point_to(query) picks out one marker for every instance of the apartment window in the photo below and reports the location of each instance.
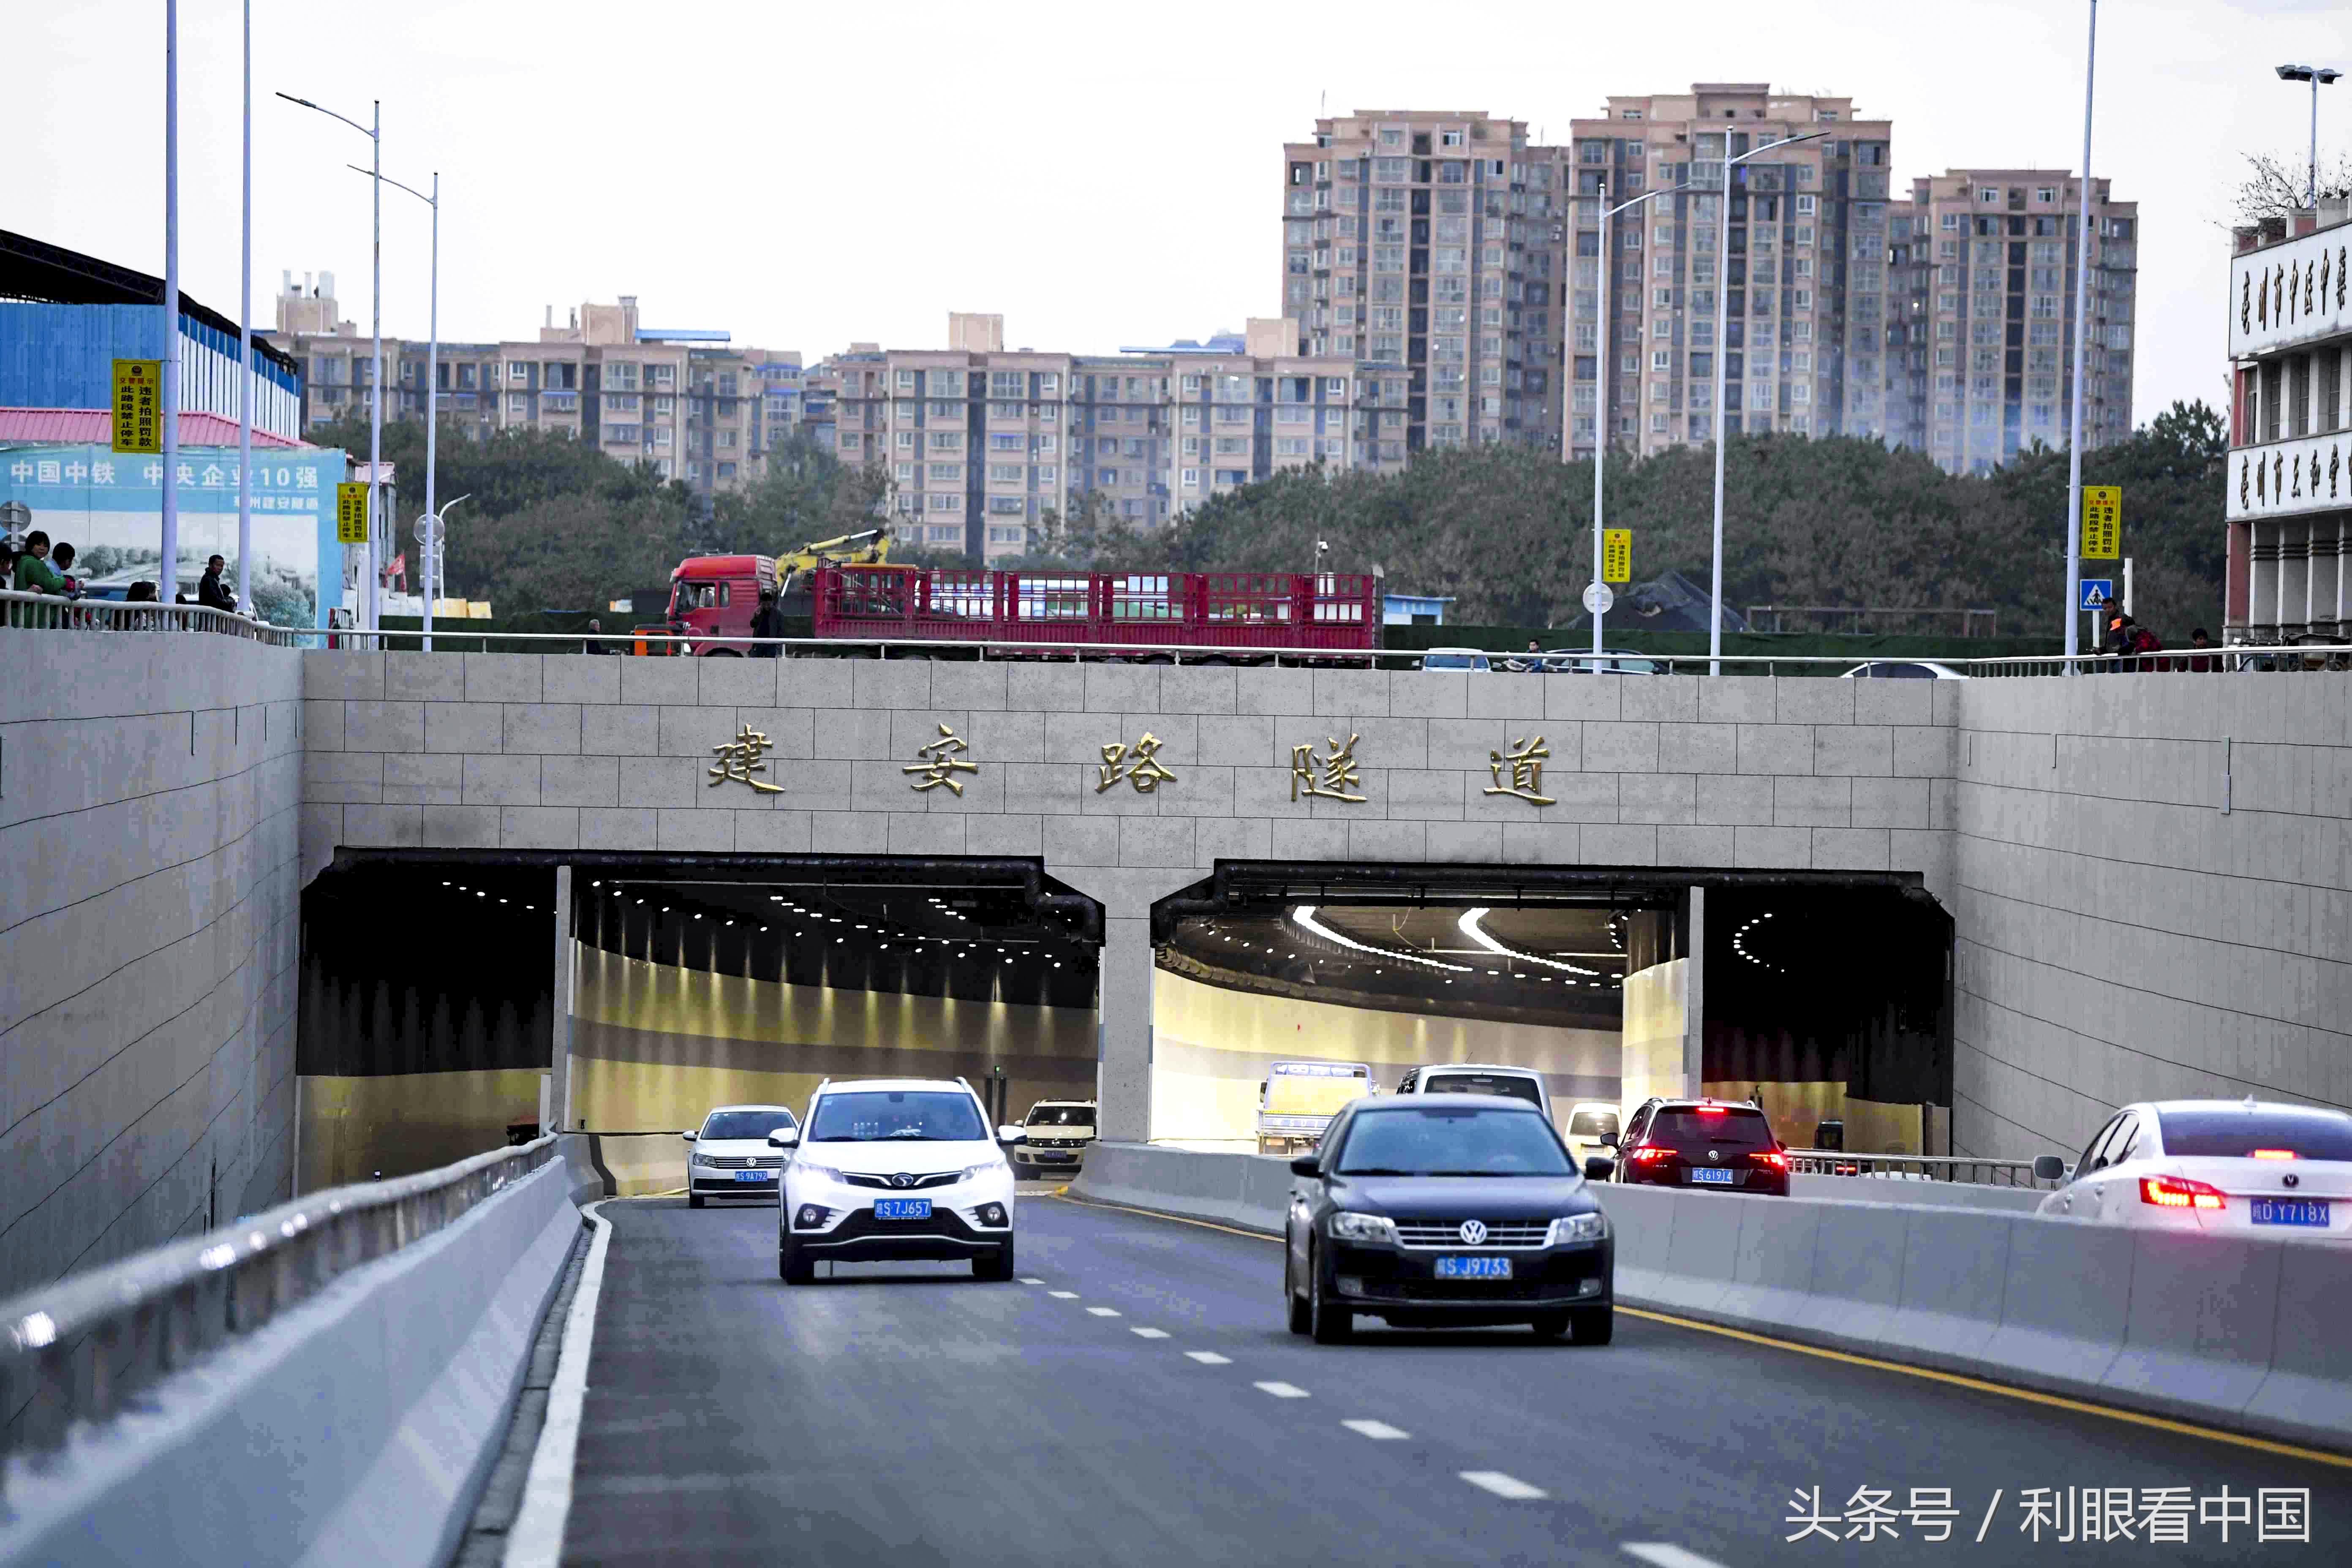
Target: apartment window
(948, 502)
(1192, 478)
(946, 441)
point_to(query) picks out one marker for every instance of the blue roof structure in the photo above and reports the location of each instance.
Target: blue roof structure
(681, 335)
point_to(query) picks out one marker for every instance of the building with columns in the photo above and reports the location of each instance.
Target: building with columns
(2289, 495)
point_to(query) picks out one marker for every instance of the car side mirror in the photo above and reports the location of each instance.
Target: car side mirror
(783, 1137)
(1011, 1133)
(2049, 1168)
(1306, 1165)
(1599, 1168)
(688, 1136)
(1609, 1142)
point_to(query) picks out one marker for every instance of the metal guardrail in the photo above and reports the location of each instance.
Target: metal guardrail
(48, 611)
(1963, 1168)
(74, 1352)
(40, 610)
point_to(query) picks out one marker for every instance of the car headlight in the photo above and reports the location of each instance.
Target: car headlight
(1593, 1226)
(1347, 1226)
(827, 1171)
(986, 1168)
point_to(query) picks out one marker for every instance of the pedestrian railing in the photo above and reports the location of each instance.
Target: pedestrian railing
(1968, 1169)
(48, 611)
(76, 1350)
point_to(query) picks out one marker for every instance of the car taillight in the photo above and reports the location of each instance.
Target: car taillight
(1649, 1152)
(1710, 1110)
(1772, 1157)
(2274, 1154)
(2181, 1193)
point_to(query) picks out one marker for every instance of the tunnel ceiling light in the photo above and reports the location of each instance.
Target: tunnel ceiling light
(445, 884)
(1469, 927)
(1304, 914)
(596, 884)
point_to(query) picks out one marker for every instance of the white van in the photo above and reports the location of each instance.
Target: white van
(1477, 1078)
(1593, 1127)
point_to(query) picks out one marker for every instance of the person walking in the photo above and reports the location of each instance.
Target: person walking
(768, 621)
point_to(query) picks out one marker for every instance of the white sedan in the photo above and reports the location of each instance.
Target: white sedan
(2239, 1165)
(1903, 670)
(731, 1157)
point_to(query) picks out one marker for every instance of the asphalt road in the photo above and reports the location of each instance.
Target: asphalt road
(906, 1415)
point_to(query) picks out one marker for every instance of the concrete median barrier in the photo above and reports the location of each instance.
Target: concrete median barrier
(2239, 1333)
(1884, 1190)
(357, 1427)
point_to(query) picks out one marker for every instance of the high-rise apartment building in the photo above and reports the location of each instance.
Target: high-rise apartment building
(979, 442)
(1802, 273)
(683, 402)
(1982, 315)
(1432, 245)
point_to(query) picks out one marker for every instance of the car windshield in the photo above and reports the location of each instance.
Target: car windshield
(1593, 1124)
(1729, 1126)
(1062, 1116)
(897, 1115)
(747, 1123)
(1452, 1141)
(1508, 1086)
(2270, 1132)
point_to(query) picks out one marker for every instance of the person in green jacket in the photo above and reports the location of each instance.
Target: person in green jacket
(34, 573)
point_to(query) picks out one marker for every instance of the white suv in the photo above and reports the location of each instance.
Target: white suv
(1058, 1132)
(894, 1168)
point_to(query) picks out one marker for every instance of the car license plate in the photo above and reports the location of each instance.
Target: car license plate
(1044, 1155)
(902, 1208)
(755, 1176)
(2312, 1212)
(1711, 1178)
(1473, 1268)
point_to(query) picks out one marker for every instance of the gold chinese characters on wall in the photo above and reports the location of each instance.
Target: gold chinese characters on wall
(942, 762)
(1139, 765)
(741, 757)
(1327, 776)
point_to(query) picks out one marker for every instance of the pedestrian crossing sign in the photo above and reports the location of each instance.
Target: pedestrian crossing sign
(2098, 592)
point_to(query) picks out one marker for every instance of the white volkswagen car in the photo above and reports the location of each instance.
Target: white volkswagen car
(2239, 1165)
(891, 1168)
(728, 1156)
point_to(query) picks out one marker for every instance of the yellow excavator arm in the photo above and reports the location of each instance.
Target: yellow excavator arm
(871, 548)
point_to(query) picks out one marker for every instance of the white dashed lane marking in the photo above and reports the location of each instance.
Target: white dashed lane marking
(1139, 1333)
(1210, 1358)
(1502, 1486)
(1282, 1389)
(1380, 1431)
(1667, 1555)
(1104, 1312)
(1024, 1279)
(1063, 1295)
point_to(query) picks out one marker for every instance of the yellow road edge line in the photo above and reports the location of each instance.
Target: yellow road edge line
(1172, 1218)
(1956, 1380)
(1980, 1385)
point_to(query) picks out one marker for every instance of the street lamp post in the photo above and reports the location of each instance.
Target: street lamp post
(2073, 524)
(1600, 410)
(167, 586)
(374, 131)
(2318, 76)
(1722, 295)
(430, 543)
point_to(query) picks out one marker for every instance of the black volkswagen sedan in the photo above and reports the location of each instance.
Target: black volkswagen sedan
(1446, 1210)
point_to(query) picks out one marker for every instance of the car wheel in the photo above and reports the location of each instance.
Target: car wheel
(1593, 1325)
(791, 1267)
(998, 1265)
(1551, 1326)
(1329, 1325)
(1291, 1299)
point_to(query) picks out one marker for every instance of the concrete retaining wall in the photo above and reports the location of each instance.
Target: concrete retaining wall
(2236, 1333)
(149, 803)
(357, 1428)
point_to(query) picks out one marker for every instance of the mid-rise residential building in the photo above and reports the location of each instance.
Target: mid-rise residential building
(1802, 272)
(980, 442)
(1981, 316)
(1431, 246)
(683, 401)
(2288, 491)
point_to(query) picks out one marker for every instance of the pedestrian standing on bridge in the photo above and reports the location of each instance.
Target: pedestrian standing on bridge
(35, 574)
(595, 643)
(211, 591)
(768, 621)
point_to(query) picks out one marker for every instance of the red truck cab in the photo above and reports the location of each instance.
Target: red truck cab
(712, 599)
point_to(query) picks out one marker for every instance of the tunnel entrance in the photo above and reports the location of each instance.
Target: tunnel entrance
(1826, 996)
(450, 1001)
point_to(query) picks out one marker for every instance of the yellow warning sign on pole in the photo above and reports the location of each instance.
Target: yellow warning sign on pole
(2103, 522)
(139, 405)
(1616, 555)
(350, 512)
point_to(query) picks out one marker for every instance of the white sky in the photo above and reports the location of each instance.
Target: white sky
(803, 175)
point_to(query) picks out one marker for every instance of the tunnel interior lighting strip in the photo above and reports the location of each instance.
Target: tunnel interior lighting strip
(1477, 933)
(1304, 914)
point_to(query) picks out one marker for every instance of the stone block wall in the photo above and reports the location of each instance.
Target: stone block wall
(149, 803)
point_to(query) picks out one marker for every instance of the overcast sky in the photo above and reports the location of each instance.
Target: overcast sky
(805, 175)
